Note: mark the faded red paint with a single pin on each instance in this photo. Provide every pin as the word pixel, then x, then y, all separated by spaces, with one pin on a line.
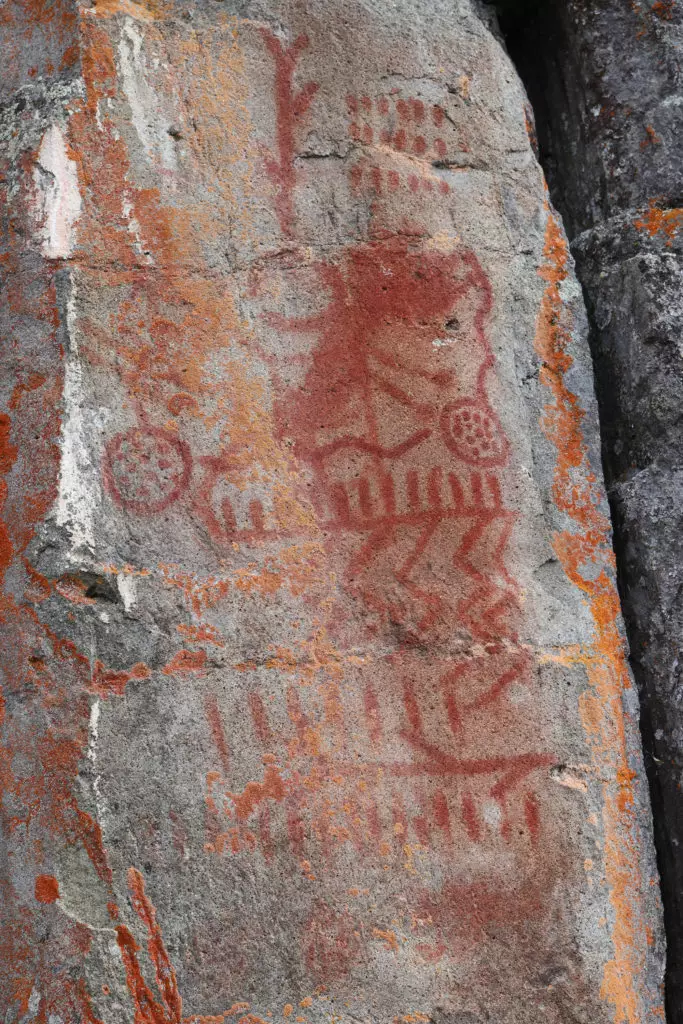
pixel 215 721
pixel 406 457
pixel 147 469
pixel 332 944
pixel 392 119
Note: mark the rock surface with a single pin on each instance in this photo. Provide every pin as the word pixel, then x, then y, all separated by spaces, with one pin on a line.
pixel 316 704
pixel 605 79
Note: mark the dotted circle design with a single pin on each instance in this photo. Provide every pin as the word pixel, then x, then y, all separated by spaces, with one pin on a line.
pixel 473 433
pixel 146 469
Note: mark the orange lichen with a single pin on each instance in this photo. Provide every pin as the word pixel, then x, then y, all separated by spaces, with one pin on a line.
pixel 651 138
pixel 185 661
pixel 657 221
pixel 664 9
pixel 110 683
pixel 388 938
pixel 46 889
pixel 254 793
pixel 166 1007
pixel 201 634
pixel 587 558
pixel 148 1010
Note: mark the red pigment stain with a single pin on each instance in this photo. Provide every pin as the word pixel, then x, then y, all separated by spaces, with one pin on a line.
pixel 46 889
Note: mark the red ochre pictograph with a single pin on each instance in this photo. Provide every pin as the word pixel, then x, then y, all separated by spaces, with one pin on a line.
pixel 394 439
pixel 386 761
pixel 403 143
pixel 146 469
pixel 393 422
pixel 291 105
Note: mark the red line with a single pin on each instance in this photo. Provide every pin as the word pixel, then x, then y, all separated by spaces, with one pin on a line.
pixel 372 716
pixel 215 721
pixel 256 512
pixel 501 684
pixel 456 489
pixel 340 502
pixel 494 487
pixel 413 487
pixel 361 445
pixel 421 830
pixel 412 707
pixel 421 408
pixel 388 494
pixel 470 818
pixel 374 823
pixel 295 712
pixel 365 496
pixel 417 552
pixel 441 814
pixel 228 516
pixel 434 486
pixel 259 718
pixel 295 828
pixel 477 492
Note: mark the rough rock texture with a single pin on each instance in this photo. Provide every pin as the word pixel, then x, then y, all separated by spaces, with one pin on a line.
pixel 316 704
pixel 605 79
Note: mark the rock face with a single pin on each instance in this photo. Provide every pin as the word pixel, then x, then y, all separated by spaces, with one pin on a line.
pixel 316 704
pixel 606 86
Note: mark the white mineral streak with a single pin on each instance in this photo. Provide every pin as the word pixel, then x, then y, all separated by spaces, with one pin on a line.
pixel 143 100
pixel 126 585
pixel 93 737
pixel 79 494
pixel 59 198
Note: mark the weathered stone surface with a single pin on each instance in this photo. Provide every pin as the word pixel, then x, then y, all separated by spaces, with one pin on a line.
pixel 606 85
pixel 316 699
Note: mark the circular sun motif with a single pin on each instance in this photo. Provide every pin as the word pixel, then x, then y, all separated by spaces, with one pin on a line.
pixel 473 433
pixel 146 469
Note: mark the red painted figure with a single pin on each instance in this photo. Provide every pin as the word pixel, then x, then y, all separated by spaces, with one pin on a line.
pixel 393 418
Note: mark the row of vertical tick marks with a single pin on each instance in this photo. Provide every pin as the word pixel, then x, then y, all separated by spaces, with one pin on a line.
pixel 381 181
pixel 407 125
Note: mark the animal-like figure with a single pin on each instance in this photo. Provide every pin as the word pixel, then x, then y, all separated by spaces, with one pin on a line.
pixel 394 420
